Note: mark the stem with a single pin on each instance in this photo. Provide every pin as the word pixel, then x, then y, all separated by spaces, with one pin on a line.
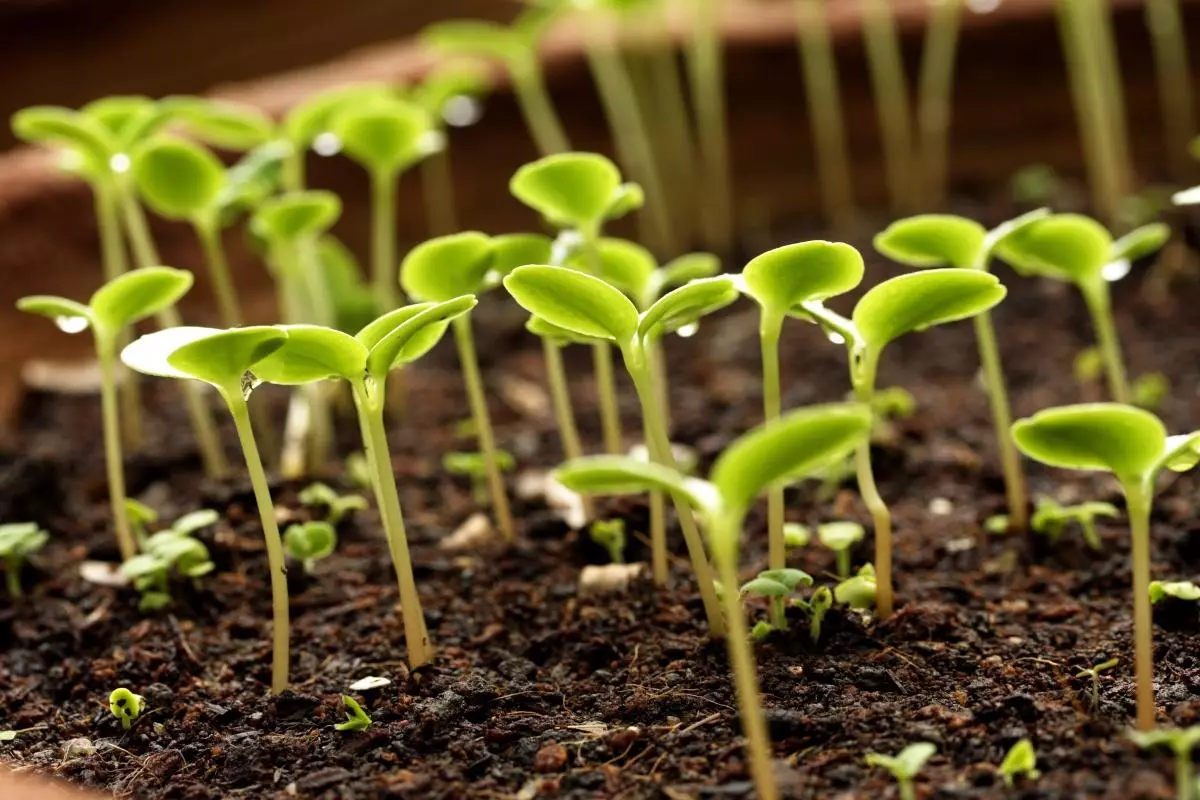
pixel 1095 294
pixel 112 250
pixel 843 563
pixel 218 271
pixel 662 391
pixel 778 614
pixel 825 111
pixel 370 413
pixel 706 71
pixel 997 392
pixel 1104 45
pixel 768 331
pixel 658 511
pixel 907 791
pixel 864 389
pixel 437 184
pixel 106 353
pixel 606 394
pixel 1183 775
pixel 891 100
pixel 675 139
pixel 1137 500
pixel 534 100
pixel 275 558
pixel 1174 82
pixel 564 414
pixel 934 99
pixel 12 578
pixel 383 240
pixel 483 422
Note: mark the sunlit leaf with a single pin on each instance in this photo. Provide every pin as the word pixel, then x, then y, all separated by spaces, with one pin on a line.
pixel 625 475
pixel 1124 440
pixel 313 353
pixel 686 305
pixel 920 300
pixel 569 189
pixel 447 267
pixel 1067 247
pixel 933 240
pixel 580 303
pixel 786 276
pixel 178 179
pixel 138 294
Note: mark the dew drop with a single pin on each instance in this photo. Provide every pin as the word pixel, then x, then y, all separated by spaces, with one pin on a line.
pixel 327 144
pixel 688 331
pixel 71 324
pixel 431 142
pixel 1115 270
pixel 462 111
pixel 120 163
pixel 835 337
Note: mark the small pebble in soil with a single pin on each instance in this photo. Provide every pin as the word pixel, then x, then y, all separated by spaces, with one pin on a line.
pixel 940 507
pixel 552 757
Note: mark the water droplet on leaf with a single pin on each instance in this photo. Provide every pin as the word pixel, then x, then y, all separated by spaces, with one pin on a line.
pixel 462 111
pixel 1115 270
pixel 71 324
pixel 327 144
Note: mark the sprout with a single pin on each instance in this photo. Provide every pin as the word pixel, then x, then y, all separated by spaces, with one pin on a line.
pixel 309 542
pixel 1036 185
pixel 126 706
pixel 779 280
pixel 816 608
pixel 114 307
pixel 1180 590
pixel 795 535
pixel 905 765
pixel 796 442
pixel 220 123
pixel 1150 390
pixel 475 467
pixel 776 585
pixel 1094 674
pixel 223 359
pixel 860 591
pixel 940 240
pixel 1051 519
pixel 1134 446
pixel 895 307
pixel 18 541
pixel 141 517
pixel 1181 742
pixel 356 718
pixel 171 550
pixel 1020 760
pixel 336 506
pixel 610 534
pixel 840 537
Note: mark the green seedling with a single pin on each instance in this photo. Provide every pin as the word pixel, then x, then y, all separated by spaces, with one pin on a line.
pixel 1050 519
pixel 895 307
pixel 779 280
pixel 224 359
pixel 337 506
pixel 1078 250
pixel 400 337
pixel 588 306
pixel 796 442
pixel 1150 390
pixel 795 536
pixel 18 541
pixel 309 542
pixel 1180 742
pixel 141 517
pixel 904 766
pixel 438 271
pixel 220 123
pixel 860 591
pixel 475 467
pixel 816 608
pixel 610 534
pixel 356 718
pixel 1180 590
pixel 1133 445
pixel 112 309
pixel 309 125
pixel 937 240
pixel 840 537
pixel 1020 760
pixel 1093 674
pixel 173 550
pixel 776 585
pixel 126 706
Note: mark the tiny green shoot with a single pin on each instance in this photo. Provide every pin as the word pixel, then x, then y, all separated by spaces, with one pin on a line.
pixel 904 766
pixel 1093 674
pixel 309 542
pixel 1180 742
pixel 337 506
pixel 795 535
pixel 858 592
pixel 18 541
pixel 840 537
pixel 141 517
pixel 173 550
pixel 1051 519
pixel 475 467
pixel 126 706
pixel 356 718
pixel 610 534
pixel 776 585
pixel 1180 590
pixel 1021 759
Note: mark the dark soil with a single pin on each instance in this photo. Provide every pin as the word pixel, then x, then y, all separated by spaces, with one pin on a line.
pixel 539 693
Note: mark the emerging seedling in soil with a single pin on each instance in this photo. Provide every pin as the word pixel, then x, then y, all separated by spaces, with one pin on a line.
pixel 475 467
pixel 776 585
pixel 860 591
pixel 1093 673
pixel 795 536
pixel 1051 519
pixel 1020 760
pixel 840 537
pixel 1180 590
pixel 904 766
pixel 1181 742
pixel 610 534
pixel 797 442
pixel 126 706
pixel 18 541
pixel 356 718
pixel 816 607
pixel 171 550
pixel 337 506
pixel 114 307
pixel 1133 445
pixel 309 542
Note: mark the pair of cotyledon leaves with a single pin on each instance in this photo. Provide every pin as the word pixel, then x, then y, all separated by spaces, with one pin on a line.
pixel 575 190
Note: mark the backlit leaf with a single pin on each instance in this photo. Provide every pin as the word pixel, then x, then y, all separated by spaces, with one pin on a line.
pixel 786 276
pixel 512 250
pixel 447 267
pixel 1141 242
pixel 933 240
pixel 1067 247
pixel 919 300
pixel 290 216
pixel 313 353
pixel 70 316
pixel 568 189
pixel 138 294
pixel 415 335
pixel 221 123
pixel 385 136
pixel 63 127
pixel 625 475
pixel 1124 440
pixel 685 305
pixel 224 357
pixel 580 303
pixel 178 179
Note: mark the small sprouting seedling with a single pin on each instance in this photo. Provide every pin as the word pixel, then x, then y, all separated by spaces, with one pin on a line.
pixel 1180 590
pixel 337 506
pixel 114 307
pixel 610 534
pixel 18 541
pixel 840 537
pixel 1088 365
pixel 172 550
pixel 816 607
pixel 776 585
pixel 1180 742
pixel 1020 760
pixel 904 766
pixel 1093 673
pixel 1150 390
pixel 891 309
pixel 475 467
pixel 126 706
pixel 778 280
pixel 859 591
pixel 1133 445
pixel 356 718
pixel 1051 519
pixel 795 535
pixel 141 517
pixel 309 542
pixel 1036 185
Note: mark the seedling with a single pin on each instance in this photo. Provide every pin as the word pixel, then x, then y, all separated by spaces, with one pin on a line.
pixel 904 766
pixel 796 442
pixel 356 718
pixel 816 608
pixel 223 359
pixel 779 280
pixel 141 517
pixel 795 536
pixel 337 506
pixel 840 537
pixel 1180 590
pixel 18 541
pixel 937 240
pixel 776 585
pixel 610 534
pixel 1150 390
pixel 1051 519
pixel 114 307
pixel 126 706
pixel 309 542
pixel 1077 249
pixel 172 550
pixel 220 123
pixel 1020 760
pixel 895 307
pixel 1181 742
pixel 1093 673
pixel 859 592
pixel 313 353
pixel 475 467
pixel 1133 445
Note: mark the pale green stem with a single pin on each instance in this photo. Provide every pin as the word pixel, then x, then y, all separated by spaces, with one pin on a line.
pixel 280 625
pixel 864 388
pixel 536 106
pixel 564 413
pixel 1137 500
pixel 658 511
pixel 769 331
pixel 662 390
pixel 997 392
pixel 934 99
pixel 907 790
pixel 1164 19
pixel 107 355
pixel 891 100
pixel 437 185
pixel 294 170
pixel 606 394
pixel 1095 294
pixel 706 72
pixel 320 311
pixel 676 144
pixel 1183 775
pixel 112 250
pixel 477 399
pixel 1104 44
pixel 12 577
pixel 230 310
pixel 383 240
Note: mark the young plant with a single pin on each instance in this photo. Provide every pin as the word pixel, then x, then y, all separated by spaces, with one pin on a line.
pixel 1093 674
pixel 1078 250
pixel 111 310
pixel 795 536
pixel 1180 590
pixel 475 467
pixel 779 280
pixel 356 718
pixel 224 359
pixel 816 607
pixel 840 537
pixel 18 541
pixel 309 542
pixel 320 495
pixel 172 550
pixel 895 307
pixel 776 585
pixel 1021 759
pixel 904 766
pixel 141 517
pixel 1181 742
pixel 1133 445
pixel 797 442
pixel 1051 519
pixel 126 706
pixel 938 240
pixel 610 534
pixel 860 591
